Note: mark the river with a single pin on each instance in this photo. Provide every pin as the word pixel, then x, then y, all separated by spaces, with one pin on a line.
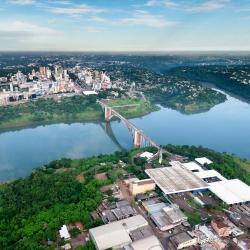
pixel 225 128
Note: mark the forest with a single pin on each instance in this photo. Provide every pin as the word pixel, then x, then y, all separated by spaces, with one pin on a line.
pixel 227 78
pixel 50 110
pixel 33 209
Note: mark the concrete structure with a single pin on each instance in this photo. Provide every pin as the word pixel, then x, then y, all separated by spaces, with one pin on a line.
pixel 231 191
pixel 183 240
pixel 150 242
pixel 141 186
pixel 221 228
pixel 203 160
pixel 116 235
pixel 147 155
pixel 176 179
pixel 139 137
pixel 168 217
pixel 64 233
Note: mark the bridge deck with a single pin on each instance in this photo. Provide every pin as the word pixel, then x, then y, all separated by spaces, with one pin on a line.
pixel 130 125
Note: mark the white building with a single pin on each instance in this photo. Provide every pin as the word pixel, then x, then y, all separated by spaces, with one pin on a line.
pixel 64 233
pixel 231 191
pixel 203 160
pixel 116 234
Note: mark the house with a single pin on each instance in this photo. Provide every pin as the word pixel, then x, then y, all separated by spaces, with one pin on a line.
pixel 64 233
pixel 183 240
pixel 221 228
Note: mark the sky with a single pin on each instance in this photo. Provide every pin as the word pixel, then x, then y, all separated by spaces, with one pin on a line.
pixel 124 25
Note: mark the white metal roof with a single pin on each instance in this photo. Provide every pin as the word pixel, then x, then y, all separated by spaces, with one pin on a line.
pixel 149 243
pixel 116 233
pixel 147 155
pixel 89 92
pixel 203 160
pixel 192 166
pixel 209 174
pixel 231 191
pixel 64 233
pixel 175 179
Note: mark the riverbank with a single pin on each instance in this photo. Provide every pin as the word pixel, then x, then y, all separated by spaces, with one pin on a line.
pixel 66 191
pixel 71 109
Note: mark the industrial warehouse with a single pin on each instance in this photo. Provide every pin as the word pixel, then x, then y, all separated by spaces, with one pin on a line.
pixel 193 176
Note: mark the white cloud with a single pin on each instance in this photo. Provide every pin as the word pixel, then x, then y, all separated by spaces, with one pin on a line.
pixel 209 6
pixel 165 3
pixel 22 2
pixel 146 19
pixel 23 29
pixel 76 10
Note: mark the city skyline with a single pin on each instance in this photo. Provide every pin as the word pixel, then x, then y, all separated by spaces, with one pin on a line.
pixel 116 25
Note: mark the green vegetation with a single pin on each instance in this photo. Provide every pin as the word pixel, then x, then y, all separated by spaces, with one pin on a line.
pixel 173 91
pixel 231 78
pixel 228 165
pixel 33 209
pixel 189 101
pixel 68 109
pixel 75 108
pixel 132 107
pixel 194 218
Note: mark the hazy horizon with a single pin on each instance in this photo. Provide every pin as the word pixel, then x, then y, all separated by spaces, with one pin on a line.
pixel 124 26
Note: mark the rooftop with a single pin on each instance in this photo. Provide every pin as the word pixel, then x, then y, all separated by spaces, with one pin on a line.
pixel 150 242
pixel 181 238
pixel 203 160
pixel 209 174
pixel 192 166
pixel 64 233
pixel 116 233
pixel 175 179
pixel 231 191
pixel 147 155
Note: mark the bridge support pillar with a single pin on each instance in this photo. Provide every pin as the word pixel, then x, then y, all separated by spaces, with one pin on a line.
pixel 137 138
pixel 160 156
pixel 108 113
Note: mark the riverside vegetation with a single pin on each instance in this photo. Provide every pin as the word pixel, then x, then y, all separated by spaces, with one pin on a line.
pixel 32 209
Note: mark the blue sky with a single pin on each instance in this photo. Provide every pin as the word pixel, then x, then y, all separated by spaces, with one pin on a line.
pixel 124 25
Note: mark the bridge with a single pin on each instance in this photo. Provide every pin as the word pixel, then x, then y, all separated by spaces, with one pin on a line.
pixel 140 139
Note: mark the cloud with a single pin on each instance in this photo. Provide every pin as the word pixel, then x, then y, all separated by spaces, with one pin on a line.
pixel 22 2
pixel 208 6
pixel 76 10
pixel 144 18
pixel 205 6
pixel 23 29
pixel 164 3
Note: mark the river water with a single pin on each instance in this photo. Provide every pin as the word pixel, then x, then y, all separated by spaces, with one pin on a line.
pixel 225 128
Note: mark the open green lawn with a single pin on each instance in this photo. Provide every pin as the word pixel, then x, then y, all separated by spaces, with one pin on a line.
pixel 132 107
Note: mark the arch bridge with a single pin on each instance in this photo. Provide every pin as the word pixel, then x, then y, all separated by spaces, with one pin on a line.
pixel 140 139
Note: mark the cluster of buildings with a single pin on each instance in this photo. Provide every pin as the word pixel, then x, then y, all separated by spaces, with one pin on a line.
pixel 92 79
pixel 49 81
pixel 44 82
pixel 145 215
